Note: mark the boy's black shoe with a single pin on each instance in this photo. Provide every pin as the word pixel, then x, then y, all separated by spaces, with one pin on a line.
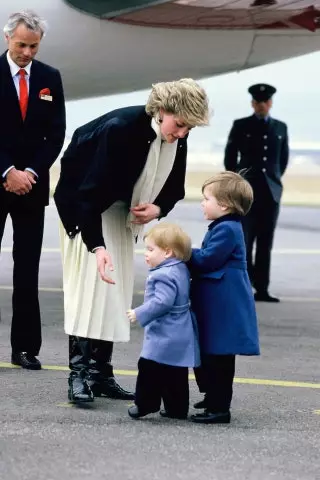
pixel 202 404
pixel 210 417
pixel 165 414
pixel 134 412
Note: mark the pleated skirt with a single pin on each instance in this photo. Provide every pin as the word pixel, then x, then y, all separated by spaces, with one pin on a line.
pixel 93 308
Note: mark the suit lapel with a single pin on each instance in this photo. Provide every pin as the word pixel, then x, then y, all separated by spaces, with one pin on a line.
pixel 9 92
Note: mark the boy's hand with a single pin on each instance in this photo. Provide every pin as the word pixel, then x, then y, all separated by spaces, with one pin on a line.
pixel 131 314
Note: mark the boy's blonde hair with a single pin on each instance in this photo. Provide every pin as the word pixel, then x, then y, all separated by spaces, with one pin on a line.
pixel 168 235
pixel 230 190
pixel 182 98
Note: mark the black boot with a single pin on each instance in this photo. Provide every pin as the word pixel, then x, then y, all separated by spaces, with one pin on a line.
pixel 108 387
pixel 79 355
pixel 102 381
pixel 79 390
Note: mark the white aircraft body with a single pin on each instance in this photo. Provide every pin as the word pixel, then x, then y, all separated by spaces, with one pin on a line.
pixel 104 47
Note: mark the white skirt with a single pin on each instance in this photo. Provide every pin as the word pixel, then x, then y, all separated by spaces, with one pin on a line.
pixel 93 308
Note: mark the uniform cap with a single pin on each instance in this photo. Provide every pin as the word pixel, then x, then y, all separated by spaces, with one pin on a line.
pixel 261 92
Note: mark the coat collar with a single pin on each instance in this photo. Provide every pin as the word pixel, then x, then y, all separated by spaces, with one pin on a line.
pixel 255 119
pixel 14 68
pixel 10 89
pixel 230 217
pixel 167 263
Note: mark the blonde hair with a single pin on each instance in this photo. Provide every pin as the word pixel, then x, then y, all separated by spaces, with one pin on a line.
pixel 168 235
pixel 182 98
pixel 230 190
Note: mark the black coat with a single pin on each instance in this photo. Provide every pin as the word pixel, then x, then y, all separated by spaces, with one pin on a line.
pixel 260 147
pixel 37 141
pixel 101 166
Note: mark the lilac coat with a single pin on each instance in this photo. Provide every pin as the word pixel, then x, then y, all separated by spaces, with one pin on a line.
pixel 170 332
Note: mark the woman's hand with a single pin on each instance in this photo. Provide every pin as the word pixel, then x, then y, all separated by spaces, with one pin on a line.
pixel 145 212
pixel 104 262
pixel 131 314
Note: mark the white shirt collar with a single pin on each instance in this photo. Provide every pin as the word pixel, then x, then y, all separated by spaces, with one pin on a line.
pixel 14 68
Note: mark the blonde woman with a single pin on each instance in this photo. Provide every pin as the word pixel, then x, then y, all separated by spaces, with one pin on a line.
pixel 119 172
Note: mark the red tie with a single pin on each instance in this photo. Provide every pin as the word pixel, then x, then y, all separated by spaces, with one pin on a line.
pixel 23 98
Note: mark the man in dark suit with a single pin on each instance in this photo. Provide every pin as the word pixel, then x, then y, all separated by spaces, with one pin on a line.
pixel 258 146
pixel 31 137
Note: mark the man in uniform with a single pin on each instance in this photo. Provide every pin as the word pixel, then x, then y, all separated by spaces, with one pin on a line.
pixel 258 148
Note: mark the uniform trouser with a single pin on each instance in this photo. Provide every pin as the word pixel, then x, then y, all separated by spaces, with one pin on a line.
pixel 157 381
pixel 27 223
pixel 91 356
pixel 215 378
pixel 259 226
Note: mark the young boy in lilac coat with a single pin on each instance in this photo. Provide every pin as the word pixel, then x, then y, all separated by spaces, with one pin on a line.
pixel 221 294
pixel 170 342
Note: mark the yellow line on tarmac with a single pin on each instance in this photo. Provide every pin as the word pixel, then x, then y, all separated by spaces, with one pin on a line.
pixel 247 381
pixel 41 289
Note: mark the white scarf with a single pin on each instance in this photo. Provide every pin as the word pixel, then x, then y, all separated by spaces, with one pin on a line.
pixel 158 166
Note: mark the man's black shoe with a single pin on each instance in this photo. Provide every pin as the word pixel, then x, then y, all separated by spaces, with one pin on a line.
pixel 202 404
pixel 111 389
pixel 25 360
pixel 79 390
pixel 134 412
pixel 165 414
pixel 210 417
pixel 265 297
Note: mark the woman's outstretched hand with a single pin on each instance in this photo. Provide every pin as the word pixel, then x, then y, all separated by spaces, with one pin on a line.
pixel 145 212
pixel 104 262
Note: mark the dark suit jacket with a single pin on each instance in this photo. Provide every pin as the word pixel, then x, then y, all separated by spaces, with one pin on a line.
pixel 37 141
pixel 102 164
pixel 261 148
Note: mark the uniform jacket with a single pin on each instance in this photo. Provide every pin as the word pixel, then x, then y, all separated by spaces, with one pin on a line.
pixel 260 147
pixel 221 294
pixel 102 164
pixel 170 333
pixel 37 141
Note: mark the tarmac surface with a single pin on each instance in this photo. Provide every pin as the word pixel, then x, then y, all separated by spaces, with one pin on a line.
pixel 275 428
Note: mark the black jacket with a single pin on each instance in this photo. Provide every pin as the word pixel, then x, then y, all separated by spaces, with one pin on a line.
pixel 102 164
pixel 37 141
pixel 262 149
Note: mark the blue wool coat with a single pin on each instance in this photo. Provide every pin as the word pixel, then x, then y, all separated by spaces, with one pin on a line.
pixel 221 293
pixel 170 331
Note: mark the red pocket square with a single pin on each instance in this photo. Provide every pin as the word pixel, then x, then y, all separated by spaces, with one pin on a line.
pixel 44 91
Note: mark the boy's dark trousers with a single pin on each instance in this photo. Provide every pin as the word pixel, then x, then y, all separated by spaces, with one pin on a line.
pixel 215 378
pixel 158 381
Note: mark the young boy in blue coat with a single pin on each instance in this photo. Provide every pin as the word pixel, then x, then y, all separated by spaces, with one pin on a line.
pixel 170 342
pixel 221 294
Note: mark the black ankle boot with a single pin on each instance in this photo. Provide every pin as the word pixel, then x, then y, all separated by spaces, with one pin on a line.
pixel 108 387
pixel 79 390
